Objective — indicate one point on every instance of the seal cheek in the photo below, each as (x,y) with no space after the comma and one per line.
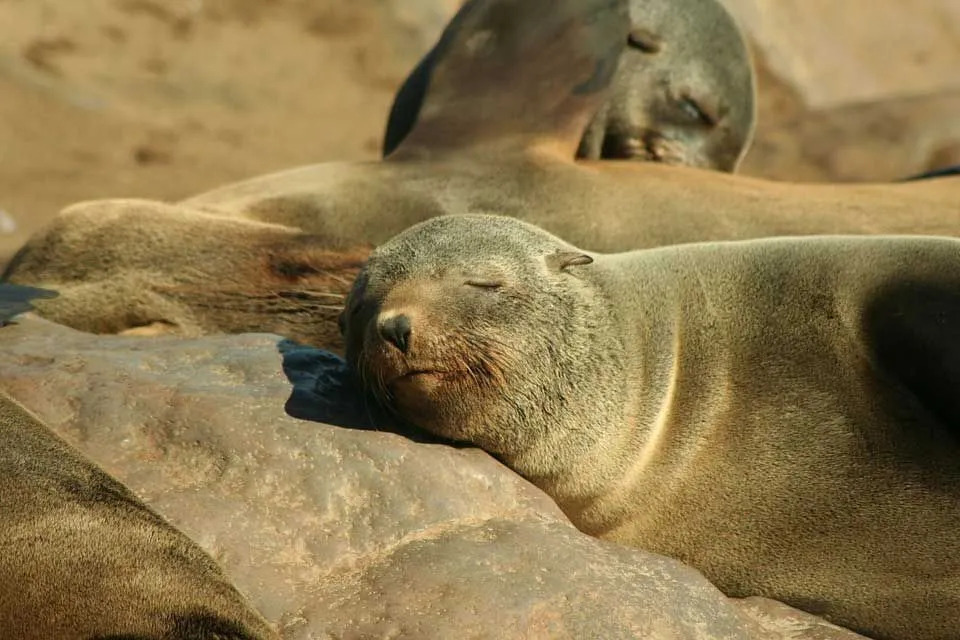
(433,401)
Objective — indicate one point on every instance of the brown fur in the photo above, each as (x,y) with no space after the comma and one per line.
(200,267)
(81,558)
(683,92)
(781,414)
(271,278)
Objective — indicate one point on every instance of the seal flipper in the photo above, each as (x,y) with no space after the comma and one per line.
(407,103)
(914,334)
(17,298)
(511,72)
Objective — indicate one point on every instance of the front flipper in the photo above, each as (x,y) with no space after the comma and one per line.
(511,73)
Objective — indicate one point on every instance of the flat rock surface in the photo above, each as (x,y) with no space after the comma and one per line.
(336,530)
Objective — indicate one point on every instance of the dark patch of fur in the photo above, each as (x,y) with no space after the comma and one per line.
(914,331)
(193,626)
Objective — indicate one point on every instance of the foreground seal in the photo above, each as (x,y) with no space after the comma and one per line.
(780,414)
(81,557)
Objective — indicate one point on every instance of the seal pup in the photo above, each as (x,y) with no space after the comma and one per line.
(684,90)
(81,557)
(780,414)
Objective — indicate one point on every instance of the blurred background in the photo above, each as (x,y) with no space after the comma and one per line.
(166,98)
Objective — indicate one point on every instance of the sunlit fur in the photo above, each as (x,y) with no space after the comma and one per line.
(781,414)
(473,333)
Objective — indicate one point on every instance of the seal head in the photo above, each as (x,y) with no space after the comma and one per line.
(684,92)
(672,81)
(445,327)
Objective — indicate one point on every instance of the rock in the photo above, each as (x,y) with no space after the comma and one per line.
(836,53)
(336,529)
(890,138)
(132,97)
(777,620)
(868,142)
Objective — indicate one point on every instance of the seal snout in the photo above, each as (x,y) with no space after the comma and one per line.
(396,329)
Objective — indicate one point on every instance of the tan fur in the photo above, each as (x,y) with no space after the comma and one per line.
(201,266)
(258,277)
(81,558)
(781,414)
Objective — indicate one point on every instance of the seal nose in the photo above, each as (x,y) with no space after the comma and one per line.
(396,330)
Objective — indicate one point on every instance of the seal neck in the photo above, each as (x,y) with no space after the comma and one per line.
(620,422)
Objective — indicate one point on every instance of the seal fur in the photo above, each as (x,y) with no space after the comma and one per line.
(205,264)
(683,93)
(780,414)
(81,557)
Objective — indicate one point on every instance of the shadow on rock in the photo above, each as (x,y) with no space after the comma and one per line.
(325,391)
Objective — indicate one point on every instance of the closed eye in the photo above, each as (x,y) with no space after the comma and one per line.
(694,111)
(484,284)
(644,40)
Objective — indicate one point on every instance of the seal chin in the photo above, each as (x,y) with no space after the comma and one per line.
(421,379)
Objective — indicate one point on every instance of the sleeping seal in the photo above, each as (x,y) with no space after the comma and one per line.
(781,414)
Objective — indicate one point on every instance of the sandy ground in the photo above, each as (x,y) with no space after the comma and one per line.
(166,98)
(107,98)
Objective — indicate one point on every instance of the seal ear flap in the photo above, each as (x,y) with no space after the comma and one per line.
(561,260)
(514,73)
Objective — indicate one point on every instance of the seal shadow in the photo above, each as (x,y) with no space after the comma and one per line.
(324,390)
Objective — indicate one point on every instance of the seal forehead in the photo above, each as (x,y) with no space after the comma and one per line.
(461,240)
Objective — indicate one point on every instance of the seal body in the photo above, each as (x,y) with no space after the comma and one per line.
(683,91)
(81,557)
(781,414)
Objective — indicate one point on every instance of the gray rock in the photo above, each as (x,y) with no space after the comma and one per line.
(334,528)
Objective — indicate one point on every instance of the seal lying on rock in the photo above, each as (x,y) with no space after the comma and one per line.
(780,414)
(81,557)
(683,92)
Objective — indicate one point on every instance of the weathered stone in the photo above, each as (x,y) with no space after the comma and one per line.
(871,142)
(346,531)
(837,53)
(777,620)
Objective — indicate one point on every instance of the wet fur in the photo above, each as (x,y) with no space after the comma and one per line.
(780,414)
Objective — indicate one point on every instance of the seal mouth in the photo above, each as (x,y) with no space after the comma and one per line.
(416,374)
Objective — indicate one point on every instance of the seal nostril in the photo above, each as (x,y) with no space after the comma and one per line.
(396,330)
